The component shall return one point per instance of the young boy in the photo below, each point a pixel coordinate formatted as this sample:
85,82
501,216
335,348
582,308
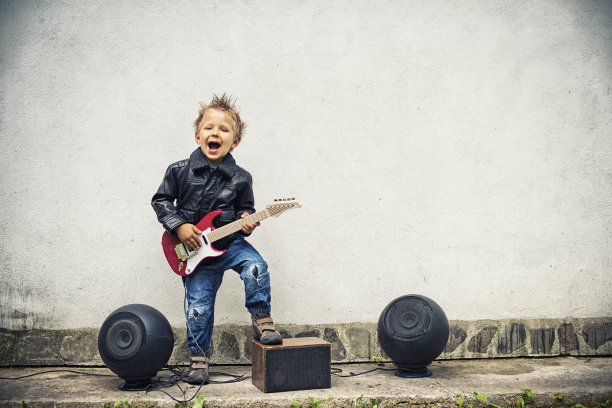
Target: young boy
210,180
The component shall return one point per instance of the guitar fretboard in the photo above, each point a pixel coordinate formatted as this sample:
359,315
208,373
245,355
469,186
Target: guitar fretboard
232,227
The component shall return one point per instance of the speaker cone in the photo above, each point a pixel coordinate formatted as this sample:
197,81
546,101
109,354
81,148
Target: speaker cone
124,337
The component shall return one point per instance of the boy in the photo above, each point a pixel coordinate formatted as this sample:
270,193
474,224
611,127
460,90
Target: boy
210,180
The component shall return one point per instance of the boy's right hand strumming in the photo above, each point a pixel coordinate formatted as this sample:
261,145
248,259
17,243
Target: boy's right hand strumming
188,234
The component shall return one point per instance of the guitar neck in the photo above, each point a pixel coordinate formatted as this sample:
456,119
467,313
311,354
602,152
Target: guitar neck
232,227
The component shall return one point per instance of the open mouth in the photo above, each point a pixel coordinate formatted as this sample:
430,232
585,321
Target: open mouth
213,146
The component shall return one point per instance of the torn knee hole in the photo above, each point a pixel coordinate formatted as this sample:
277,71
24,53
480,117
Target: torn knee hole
194,313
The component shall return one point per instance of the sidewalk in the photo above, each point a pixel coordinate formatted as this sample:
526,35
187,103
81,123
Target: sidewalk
580,379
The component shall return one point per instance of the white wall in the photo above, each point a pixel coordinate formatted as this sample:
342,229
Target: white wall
461,151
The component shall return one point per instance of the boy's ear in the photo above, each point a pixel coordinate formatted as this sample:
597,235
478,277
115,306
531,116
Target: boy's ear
236,142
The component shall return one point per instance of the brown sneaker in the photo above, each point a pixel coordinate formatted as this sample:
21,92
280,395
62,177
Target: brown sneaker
264,330
198,369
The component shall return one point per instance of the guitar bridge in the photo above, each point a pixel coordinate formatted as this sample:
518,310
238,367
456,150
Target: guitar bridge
182,252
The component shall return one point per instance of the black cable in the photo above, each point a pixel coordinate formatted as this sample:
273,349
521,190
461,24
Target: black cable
337,371
179,374
57,371
235,378
173,381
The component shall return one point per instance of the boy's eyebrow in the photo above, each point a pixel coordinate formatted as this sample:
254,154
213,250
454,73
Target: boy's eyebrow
222,125
210,122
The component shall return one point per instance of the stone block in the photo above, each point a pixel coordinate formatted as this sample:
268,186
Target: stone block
568,341
338,351
542,340
309,333
359,342
7,348
596,334
228,347
512,338
456,337
40,347
80,347
480,342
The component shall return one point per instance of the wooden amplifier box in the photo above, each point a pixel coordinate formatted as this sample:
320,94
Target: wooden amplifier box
297,364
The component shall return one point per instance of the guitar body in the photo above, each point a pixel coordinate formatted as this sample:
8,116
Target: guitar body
184,262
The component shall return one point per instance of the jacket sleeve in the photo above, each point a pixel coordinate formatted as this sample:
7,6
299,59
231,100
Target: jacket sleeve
163,201
245,202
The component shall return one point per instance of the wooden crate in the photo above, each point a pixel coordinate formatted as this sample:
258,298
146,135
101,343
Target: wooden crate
297,364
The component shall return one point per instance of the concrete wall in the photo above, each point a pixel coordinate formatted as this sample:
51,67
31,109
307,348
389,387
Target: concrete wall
457,150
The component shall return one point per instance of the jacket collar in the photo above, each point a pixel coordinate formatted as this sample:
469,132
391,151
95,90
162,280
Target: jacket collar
199,162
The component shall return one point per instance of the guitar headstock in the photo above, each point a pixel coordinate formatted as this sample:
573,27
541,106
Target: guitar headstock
281,205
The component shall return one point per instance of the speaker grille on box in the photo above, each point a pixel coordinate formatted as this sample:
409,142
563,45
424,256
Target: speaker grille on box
298,364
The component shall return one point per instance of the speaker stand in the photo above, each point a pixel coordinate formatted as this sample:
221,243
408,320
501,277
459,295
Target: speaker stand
135,385
411,371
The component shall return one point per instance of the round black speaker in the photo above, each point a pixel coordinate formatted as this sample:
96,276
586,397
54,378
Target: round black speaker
413,331
135,342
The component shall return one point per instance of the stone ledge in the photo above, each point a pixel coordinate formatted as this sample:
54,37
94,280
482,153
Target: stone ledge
581,380
351,342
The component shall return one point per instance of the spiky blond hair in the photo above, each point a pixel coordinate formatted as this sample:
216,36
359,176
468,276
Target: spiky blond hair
223,103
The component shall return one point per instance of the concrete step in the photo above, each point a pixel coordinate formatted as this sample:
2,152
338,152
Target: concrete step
580,379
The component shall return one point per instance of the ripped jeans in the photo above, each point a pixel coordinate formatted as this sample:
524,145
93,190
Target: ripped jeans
202,285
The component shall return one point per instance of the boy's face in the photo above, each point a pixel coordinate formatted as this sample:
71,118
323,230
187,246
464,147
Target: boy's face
216,136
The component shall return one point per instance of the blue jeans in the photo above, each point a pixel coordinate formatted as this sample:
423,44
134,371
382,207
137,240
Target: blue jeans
202,285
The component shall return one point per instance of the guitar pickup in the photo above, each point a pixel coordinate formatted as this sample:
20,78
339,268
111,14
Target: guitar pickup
183,253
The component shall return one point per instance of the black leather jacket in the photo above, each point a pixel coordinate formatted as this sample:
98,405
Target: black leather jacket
191,189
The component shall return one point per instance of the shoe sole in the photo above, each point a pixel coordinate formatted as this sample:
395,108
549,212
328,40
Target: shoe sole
270,342
197,382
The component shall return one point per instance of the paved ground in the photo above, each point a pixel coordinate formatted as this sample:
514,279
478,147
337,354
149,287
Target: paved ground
580,380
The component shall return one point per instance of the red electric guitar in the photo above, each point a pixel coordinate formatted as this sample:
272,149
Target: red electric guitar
184,261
